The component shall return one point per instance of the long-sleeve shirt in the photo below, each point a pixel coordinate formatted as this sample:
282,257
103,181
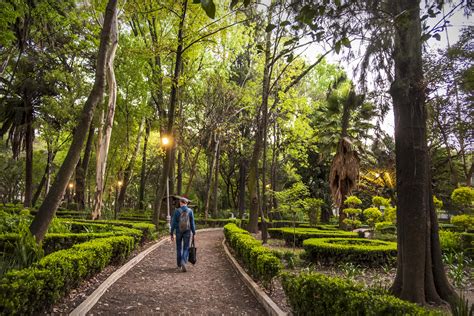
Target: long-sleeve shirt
175,220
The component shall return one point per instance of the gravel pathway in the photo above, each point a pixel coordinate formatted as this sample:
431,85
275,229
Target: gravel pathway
155,285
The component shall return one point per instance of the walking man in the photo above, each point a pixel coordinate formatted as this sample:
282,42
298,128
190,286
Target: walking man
183,223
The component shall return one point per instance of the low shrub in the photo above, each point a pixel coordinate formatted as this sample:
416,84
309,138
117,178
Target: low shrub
362,251
450,241
31,290
317,294
215,222
148,229
298,235
259,260
463,222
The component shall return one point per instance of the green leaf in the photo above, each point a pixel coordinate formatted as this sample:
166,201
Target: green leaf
290,58
270,27
285,23
246,2
209,7
259,47
437,36
233,3
337,47
425,37
346,42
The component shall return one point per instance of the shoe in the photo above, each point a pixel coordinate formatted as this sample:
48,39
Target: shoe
183,267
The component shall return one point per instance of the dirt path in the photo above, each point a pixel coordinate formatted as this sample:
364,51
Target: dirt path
156,286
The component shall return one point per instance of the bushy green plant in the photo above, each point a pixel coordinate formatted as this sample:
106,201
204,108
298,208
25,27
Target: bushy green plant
298,235
390,215
463,221
352,201
450,241
352,220
317,294
372,215
380,226
362,251
313,209
31,290
259,260
378,201
438,204
463,197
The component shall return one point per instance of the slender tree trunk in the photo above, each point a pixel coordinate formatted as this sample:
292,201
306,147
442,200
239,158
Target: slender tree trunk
192,172
45,179
81,172
48,208
242,180
420,274
29,154
171,113
211,166
179,184
141,194
127,175
216,181
106,128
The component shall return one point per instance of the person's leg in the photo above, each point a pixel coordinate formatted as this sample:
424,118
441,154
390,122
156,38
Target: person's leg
179,243
186,239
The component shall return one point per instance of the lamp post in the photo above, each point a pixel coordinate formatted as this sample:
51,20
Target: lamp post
117,189
69,197
165,142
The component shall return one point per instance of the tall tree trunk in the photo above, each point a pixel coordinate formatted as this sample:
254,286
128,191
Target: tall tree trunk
29,154
242,180
211,166
215,190
141,194
81,172
179,177
420,274
105,131
48,208
127,175
171,114
192,172
257,149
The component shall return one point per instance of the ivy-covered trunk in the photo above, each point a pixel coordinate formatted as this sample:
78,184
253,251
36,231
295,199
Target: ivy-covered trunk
420,274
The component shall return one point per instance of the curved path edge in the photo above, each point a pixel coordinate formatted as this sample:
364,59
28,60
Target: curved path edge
92,299
270,306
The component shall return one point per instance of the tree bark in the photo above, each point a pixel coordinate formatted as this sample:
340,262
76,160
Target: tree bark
48,208
242,180
215,190
105,131
29,153
192,172
179,177
420,274
211,166
141,194
127,175
44,180
171,113
81,172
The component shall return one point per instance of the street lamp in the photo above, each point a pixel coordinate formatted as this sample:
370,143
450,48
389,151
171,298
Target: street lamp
117,188
71,187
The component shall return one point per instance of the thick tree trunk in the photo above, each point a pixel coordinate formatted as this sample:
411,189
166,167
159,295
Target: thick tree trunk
29,154
127,175
171,113
420,275
105,131
81,172
141,194
48,208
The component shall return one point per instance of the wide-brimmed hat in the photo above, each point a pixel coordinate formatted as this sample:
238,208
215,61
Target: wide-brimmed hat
183,199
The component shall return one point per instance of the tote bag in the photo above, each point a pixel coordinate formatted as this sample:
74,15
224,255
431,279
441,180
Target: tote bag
192,253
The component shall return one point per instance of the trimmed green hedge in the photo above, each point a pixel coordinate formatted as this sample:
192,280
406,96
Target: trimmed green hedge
148,229
259,260
317,294
356,250
59,241
215,222
31,290
298,235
